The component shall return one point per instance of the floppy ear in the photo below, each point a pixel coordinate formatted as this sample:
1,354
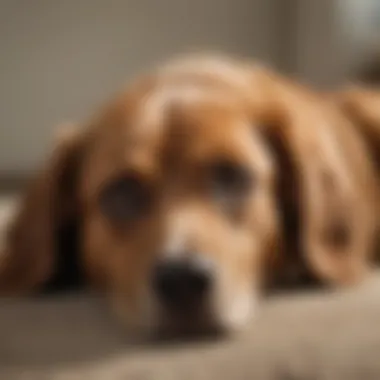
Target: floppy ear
46,213
326,190
362,106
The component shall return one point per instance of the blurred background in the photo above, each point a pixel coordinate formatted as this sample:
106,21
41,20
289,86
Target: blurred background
60,59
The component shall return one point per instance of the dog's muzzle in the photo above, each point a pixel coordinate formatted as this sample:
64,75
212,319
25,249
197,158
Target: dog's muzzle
182,284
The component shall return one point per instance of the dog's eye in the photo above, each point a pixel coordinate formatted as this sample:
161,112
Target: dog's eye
125,199
230,180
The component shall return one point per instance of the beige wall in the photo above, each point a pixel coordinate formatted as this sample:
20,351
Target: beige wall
59,59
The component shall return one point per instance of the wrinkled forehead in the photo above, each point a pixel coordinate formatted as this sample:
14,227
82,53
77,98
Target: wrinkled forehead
185,123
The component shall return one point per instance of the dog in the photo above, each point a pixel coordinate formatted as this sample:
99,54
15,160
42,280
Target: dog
191,192
361,105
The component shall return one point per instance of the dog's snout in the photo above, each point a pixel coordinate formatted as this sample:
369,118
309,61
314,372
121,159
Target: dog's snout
181,284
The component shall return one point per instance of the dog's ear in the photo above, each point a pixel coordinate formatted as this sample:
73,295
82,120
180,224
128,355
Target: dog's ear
361,105
325,187
30,256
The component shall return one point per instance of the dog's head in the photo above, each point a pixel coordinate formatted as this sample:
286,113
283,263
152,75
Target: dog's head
188,193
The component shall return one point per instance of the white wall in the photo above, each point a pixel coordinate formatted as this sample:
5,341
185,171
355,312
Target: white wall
59,59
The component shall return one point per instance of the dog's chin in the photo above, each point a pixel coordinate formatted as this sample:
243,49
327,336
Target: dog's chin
185,330
153,323
203,325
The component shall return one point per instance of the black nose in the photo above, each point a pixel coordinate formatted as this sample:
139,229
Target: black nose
181,285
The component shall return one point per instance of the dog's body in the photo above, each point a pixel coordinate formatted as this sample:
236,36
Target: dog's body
204,182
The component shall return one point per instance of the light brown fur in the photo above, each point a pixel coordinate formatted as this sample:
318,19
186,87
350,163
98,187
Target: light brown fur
311,205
